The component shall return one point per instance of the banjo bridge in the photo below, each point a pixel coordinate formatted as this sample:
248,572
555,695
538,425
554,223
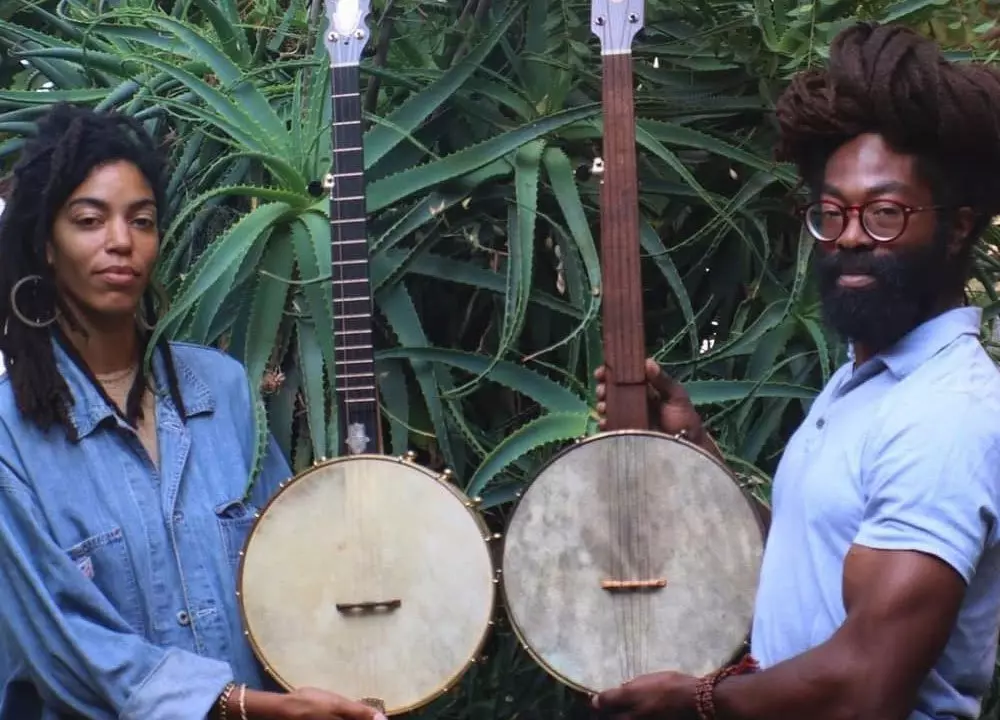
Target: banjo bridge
367,608
633,585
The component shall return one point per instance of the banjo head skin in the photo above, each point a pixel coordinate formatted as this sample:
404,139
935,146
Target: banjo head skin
639,507
369,577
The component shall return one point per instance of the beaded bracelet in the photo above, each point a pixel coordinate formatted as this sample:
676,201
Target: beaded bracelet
704,698
224,700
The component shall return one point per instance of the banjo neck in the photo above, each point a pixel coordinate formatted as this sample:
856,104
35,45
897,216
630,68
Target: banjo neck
355,378
616,23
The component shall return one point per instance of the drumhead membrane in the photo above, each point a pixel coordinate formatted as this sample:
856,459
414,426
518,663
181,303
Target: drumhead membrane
632,506
368,530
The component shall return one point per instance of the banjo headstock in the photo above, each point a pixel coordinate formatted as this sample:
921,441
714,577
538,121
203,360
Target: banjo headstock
347,33
616,23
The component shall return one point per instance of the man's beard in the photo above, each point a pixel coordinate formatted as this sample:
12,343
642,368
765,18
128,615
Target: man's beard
907,285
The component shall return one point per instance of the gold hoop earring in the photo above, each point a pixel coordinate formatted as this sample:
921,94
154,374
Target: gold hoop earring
37,324
143,323
158,294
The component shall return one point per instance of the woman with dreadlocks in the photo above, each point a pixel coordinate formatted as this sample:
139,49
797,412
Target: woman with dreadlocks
879,594
121,490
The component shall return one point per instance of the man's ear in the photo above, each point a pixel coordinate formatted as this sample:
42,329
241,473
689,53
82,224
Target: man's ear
49,253
965,222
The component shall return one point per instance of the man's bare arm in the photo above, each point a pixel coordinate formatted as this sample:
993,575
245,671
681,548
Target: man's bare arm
901,607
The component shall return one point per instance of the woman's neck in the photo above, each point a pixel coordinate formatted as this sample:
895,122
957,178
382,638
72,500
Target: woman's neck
106,347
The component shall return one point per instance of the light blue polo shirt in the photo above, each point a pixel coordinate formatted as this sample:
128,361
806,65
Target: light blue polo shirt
901,453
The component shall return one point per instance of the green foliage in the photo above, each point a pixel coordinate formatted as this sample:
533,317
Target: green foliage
483,240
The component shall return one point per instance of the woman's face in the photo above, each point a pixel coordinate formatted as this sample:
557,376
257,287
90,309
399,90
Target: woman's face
104,243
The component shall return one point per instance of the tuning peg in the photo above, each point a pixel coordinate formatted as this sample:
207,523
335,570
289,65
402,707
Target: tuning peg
315,188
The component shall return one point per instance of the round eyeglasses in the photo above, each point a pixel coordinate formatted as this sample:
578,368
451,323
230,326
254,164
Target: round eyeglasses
883,220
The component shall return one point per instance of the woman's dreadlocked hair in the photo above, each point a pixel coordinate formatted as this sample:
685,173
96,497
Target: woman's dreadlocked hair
890,80
70,143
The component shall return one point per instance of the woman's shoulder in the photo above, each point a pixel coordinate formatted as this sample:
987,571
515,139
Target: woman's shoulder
211,364
8,403
210,372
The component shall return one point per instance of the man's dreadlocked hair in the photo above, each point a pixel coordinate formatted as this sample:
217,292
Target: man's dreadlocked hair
70,143
891,81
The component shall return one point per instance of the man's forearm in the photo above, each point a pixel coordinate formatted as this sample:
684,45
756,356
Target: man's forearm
819,685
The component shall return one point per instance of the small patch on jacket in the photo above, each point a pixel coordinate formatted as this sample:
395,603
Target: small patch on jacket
86,565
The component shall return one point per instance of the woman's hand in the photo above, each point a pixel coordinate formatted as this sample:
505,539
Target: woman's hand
313,704
300,704
670,408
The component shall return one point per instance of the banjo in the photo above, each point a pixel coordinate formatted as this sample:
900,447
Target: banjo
365,575
649,548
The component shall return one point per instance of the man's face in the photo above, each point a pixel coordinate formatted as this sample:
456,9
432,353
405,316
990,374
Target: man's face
875,292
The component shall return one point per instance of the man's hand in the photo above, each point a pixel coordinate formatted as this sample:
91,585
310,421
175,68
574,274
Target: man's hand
658,696
670,408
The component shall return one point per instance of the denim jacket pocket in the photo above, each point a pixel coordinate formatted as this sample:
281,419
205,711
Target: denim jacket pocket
104,560
236,518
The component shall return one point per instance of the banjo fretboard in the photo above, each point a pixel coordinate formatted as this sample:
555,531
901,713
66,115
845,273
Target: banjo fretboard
356,383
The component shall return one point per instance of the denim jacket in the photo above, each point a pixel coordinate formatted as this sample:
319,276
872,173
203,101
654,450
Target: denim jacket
117,580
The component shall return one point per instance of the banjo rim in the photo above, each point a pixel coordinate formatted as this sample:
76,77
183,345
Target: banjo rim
467,505
596,437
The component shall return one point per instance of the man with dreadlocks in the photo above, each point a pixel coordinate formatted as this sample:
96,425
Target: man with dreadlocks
121,489
879,595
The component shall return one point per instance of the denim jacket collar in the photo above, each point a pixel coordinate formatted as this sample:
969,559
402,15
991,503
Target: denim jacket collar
90,409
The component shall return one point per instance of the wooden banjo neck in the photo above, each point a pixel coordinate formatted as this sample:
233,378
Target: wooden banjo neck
616,23
356,383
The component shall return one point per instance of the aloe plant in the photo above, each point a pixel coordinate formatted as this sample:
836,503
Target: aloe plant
482,120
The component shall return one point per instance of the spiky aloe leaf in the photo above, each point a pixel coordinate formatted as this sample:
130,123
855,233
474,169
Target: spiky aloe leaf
226,26
383,193
564,187
291,199
448,269
314,389
395,399
268,305
684,136
546,430
21,98
311,240
713,392
397,306
261,430
435,203
217,259
225,114
382,138
247,95
547,393
521,219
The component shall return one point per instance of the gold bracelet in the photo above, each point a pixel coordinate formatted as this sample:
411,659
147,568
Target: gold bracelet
243,702
224,700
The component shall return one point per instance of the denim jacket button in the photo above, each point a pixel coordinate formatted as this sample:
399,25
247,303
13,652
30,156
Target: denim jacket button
183,618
